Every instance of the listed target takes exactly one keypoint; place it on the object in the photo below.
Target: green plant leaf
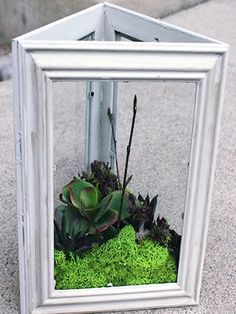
(58, 238)
(83, 226)
(103, 207)
(108, 219)
(70, 221)
(89, 197)
(76, 187)
(115, 203)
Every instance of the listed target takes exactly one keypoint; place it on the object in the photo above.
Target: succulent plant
(85, 218)
(101, 175)
(85, 197)
(80, 193)
(70, 231)
(160, 231)
(142, 212)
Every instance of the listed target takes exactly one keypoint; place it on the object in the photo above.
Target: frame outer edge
(173, 47)
(185, 255)
(221, 72)
(19, 151)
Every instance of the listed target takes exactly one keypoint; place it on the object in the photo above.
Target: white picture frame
(54, 53)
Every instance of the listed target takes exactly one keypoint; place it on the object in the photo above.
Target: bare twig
(128, 154)
(110, 116)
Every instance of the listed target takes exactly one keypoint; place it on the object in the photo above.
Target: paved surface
(218, 295)
(20, 16)
(5, 63)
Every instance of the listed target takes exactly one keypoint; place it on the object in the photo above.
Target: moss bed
(120, 261)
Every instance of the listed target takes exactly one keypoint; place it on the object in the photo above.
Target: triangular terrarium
(117, 118)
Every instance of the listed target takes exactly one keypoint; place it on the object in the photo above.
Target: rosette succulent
(85, 217)
(85, 198)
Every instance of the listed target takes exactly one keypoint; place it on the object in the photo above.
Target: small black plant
(160, 231)
(174, 245)
(142, 212)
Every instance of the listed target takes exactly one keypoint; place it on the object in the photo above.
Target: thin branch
(128, 154)
(110, 116)
(130, 139)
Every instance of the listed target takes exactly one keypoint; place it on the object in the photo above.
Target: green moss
(120, 261)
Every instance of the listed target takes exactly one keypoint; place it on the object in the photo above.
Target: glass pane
(159, 159)
(69, 132)
(104, 219)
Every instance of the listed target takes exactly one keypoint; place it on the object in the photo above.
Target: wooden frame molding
(40, 60)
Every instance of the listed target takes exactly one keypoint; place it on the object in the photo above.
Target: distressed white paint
(46, 55)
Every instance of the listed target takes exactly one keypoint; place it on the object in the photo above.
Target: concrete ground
(215, 18)
(21, 16)
(5, 62)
